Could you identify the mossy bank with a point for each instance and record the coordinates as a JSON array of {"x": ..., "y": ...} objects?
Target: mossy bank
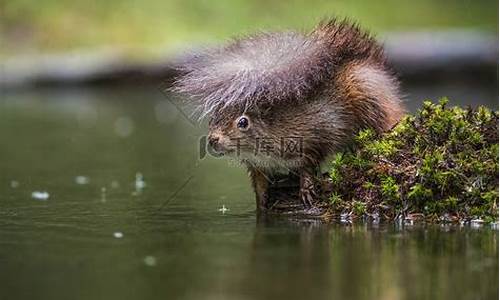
[{"x": 439, "y": 165}]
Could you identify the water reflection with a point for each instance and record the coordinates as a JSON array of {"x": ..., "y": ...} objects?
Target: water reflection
[{"x": 310, "y": 259}]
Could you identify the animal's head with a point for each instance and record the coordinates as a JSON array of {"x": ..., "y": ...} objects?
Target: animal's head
[{"x": 249, "y": 133}]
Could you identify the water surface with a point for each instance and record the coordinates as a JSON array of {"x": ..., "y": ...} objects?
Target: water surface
[{"x": 110, "y": 161}]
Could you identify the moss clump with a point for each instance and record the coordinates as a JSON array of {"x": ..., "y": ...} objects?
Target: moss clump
[{"x": 441, "y": 164}]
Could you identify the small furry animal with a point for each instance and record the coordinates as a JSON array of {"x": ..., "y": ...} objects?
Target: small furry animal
[{"x": 283, "y": 102}]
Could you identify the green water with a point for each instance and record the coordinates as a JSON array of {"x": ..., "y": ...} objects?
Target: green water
[{"x": 116, "y": 237}]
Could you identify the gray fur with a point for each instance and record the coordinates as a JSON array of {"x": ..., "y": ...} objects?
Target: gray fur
[{"x": 265, "y": 68}]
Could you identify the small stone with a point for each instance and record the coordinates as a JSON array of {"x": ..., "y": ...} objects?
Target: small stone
[{"x": 476, "y": 223}]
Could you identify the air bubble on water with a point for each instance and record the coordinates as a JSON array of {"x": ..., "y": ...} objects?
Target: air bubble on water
[
  {"x": 40, "y": 195},
  {"x": 124, "y": 126},
  {"x": 82, "y": 179},
  {"x": 150, "y": 261},
  {"x": 118, "y": 235},
  {"x": 14, "y": 184},
  {"x": 140, "y": 184}
]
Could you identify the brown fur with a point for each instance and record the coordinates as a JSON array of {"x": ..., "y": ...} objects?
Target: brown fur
[{"x": 321, "y": 87}]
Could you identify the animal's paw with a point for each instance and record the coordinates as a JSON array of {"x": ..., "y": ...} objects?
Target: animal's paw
[
  {"x": 262, "y": 201},
  {"x": 307, "y": 195}
]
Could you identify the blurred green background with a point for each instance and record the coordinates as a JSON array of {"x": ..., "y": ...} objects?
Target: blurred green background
[{"x": 152, "y": 27}]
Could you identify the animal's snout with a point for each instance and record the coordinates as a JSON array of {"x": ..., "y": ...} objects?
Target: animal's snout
[
  {"x": 213, "y": 141},
  {"x": 218, "y": 142}
]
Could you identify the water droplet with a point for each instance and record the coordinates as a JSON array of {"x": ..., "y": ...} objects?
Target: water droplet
[
  {"x": 140, "y": 184},
  {"x": 223, "y": 209},
  {"x": 40, "y": 195},
  {"x": 150, "y": 261},
  {"x": 82, "y": 180}
]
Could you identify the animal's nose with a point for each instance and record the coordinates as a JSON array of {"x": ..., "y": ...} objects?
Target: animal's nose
[{"x": 213, "y": 141}]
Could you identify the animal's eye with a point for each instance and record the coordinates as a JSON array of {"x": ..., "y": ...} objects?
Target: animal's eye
[{"x": 243, "y": 123}]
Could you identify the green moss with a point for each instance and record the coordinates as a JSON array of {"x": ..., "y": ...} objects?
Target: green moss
[
  {"x": 419, "y": 193},
  {"x": 335, "y": 172},
  {"x": 440, "y": 162},
  {"x": 359, "y": 208},
  {"x": 336, "y": 201},
  {"x": 383, "y": 148},
  {"x": 390, "y": 188}
]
